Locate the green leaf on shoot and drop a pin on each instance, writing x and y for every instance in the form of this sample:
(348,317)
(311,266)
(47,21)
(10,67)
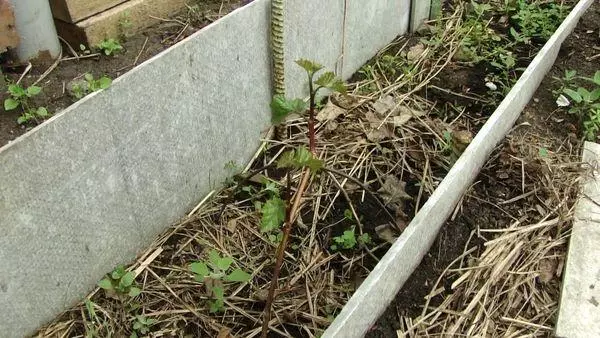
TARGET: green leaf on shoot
(200,270)
(10,104)
(330,81)
(273,214)
(127,279)
(118,272)
(575,96)
(42,111)
(16,91)
(309,66)
(298,159)
(134,292)
(238,275)
(33,91)
(224,263)
(282,107)
(105,284)
(104,82)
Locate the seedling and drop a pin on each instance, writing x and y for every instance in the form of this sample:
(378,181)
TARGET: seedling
(125,25)
(583,102)
(110,46)
(91,85)
(213,273)
(141,325)
(565,82)
(19,97)
(348,240)
(120,283)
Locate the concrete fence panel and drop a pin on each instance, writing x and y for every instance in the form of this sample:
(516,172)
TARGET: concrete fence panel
(91,187)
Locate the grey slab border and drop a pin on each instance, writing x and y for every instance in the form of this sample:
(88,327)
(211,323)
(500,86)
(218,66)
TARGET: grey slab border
(383,283)
(579,311)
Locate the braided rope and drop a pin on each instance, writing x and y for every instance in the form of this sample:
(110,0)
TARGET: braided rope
(277,46)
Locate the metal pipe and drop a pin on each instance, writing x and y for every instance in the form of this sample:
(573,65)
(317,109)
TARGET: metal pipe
(37,33)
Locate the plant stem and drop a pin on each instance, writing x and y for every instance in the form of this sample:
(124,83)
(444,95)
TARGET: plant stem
(291,213)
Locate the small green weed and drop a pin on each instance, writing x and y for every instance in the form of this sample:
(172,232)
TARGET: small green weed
(91,85)
(125,26)
(213,273)
(565,82)
(348,240)
(584,102)
(19,97)
(141,325)
(110,46)
(120,283)
(90,327)
(536,19)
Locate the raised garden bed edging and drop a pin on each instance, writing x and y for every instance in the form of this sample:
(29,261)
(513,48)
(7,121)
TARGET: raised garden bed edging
(377,291)
(90,187)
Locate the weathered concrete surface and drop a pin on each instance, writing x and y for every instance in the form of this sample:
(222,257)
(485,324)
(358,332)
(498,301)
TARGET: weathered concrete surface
(382,284)
(314,31)
(84,191)
(87,189)
(579,312)
(370,26)
(419,13)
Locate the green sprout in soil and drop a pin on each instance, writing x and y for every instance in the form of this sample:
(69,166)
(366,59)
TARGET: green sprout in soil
(91,85)
(141,326)
(20,97)
(583,101)
(110,46)
(213,273)
(125,26)
(348,240)
(120,283)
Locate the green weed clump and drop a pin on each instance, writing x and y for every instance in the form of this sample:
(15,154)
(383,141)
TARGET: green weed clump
(213,273)
(581,96)
(20,97)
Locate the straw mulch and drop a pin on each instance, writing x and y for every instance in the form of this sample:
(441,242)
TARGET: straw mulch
(510,285)
(386,149)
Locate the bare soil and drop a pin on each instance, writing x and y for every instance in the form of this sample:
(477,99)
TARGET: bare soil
(136,49)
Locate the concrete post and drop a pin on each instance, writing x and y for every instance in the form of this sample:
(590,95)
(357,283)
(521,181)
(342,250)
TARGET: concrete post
(35,26)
